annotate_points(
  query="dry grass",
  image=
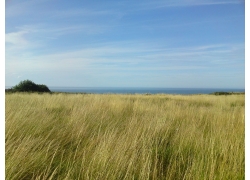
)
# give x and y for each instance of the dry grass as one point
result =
(77, 136)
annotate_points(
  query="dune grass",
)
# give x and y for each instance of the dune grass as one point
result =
(110, 137)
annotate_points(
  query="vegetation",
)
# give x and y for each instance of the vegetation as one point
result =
(109, 137)
(28, 86)
(228, 93)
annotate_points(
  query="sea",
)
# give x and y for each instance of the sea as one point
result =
(133, 90)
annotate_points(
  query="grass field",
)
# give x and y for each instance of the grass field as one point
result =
(116, 137)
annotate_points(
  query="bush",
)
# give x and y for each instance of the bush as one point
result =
(43, 88)
(221, 93)
(29, 86)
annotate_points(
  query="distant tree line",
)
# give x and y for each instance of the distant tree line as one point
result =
(227, 93)
(28, 86)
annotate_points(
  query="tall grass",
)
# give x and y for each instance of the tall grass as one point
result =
(87, 136)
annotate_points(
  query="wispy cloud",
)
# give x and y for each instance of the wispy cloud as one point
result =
(155, 39)
(106, 61)
(41, 35)
(108, 9)
(85, 12)
(16, 38)
(136, 58)
(159, 4)
(182, 3)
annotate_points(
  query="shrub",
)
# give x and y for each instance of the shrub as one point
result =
(43, 88)
(29, 86)
(222, 93)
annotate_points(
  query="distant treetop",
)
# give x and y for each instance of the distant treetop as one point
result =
(29, 86)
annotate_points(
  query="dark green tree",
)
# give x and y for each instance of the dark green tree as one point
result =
(29, 86)
(43, 88)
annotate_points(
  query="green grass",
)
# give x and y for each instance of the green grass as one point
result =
(88, 136)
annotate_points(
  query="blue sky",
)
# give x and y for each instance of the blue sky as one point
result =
(181, 43)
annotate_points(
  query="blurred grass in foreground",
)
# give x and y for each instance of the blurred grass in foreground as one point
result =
(88, 136)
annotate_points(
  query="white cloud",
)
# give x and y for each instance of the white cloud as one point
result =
(132, 60)
(16, 38)
(132, 57)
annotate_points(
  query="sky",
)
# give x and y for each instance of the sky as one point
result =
(126, 43)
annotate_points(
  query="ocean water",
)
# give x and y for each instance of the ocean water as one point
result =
(116, 90)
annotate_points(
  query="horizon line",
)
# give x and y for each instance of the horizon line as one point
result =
(141, 87)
